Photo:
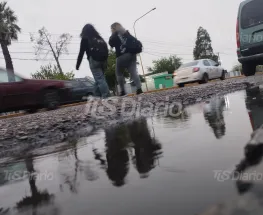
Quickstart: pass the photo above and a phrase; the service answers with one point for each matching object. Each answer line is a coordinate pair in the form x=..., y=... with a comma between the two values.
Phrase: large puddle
x=151, y=166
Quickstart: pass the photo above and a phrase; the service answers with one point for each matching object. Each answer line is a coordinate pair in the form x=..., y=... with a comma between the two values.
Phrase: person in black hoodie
x=124, y=60
x=97, y=54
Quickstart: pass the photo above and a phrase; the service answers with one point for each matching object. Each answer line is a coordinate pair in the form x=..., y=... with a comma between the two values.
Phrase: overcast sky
x=170, y=29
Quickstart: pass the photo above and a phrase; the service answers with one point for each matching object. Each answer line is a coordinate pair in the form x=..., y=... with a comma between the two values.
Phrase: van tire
x=249, y=69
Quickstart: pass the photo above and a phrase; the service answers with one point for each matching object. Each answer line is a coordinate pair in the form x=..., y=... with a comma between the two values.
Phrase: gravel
x=19, y=135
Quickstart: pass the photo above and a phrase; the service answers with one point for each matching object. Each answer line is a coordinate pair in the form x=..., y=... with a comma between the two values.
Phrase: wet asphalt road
x=155, y=165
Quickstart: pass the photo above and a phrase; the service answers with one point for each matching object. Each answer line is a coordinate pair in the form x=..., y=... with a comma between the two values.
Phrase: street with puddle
x=159, y=165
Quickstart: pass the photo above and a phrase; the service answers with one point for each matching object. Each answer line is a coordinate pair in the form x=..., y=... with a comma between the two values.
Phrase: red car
x=29, y=94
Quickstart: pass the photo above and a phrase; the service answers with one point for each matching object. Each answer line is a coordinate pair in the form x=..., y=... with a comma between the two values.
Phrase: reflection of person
x=146, y=148
x=254, y=104
x=124, y=60
x=117, y=155
x=253, y=157
x=37, y=197
x=213, y=113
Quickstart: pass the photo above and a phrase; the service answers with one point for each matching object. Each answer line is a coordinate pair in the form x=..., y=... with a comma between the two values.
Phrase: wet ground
x=158, y=165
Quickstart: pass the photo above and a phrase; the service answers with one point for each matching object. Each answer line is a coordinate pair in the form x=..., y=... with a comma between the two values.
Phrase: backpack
x=133, y=45
x=98, y=49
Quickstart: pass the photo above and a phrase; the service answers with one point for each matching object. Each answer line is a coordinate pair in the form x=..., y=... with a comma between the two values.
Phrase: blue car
x=80, y=90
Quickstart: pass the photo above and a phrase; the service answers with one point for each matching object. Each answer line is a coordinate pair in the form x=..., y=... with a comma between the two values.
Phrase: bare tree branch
x=43, y=45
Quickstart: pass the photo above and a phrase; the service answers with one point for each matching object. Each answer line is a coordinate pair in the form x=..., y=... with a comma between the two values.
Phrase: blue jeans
x=127, y=61
x=101, y=87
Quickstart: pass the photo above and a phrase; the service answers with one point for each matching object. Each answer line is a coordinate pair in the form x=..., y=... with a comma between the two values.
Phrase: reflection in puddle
x=150, y=166
x=249, y=171
x=213, y=113
x=129, y=142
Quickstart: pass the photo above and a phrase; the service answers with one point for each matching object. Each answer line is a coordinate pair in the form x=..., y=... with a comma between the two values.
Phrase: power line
x=31, y=52
x=156, y=42
x=157, y=54
x=152, y=54
x=168, y=52
x=32, y=59
x=78, y=43
x=75, y=53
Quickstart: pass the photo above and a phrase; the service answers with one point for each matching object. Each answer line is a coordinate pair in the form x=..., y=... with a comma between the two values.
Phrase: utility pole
x=136, y=37
x=219, y=61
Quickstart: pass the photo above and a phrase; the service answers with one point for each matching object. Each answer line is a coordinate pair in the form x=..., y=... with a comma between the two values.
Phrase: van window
x=251, y=14
x=194, y=63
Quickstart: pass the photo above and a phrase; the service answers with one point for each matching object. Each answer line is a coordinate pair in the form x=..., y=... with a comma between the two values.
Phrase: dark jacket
x=115, y=42
x=84, y=47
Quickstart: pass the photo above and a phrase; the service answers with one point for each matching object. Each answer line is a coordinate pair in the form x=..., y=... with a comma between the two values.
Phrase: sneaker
x=139, y=91
x=122, y=93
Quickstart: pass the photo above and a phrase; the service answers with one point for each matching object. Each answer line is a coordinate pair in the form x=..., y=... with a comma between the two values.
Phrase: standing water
x=160, y=165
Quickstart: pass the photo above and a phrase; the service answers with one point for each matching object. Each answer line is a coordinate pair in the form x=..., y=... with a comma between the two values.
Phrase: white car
x=199, y=71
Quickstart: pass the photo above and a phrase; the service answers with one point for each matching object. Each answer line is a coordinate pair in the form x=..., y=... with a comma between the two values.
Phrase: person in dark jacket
x=124, y=60
x=97, y=63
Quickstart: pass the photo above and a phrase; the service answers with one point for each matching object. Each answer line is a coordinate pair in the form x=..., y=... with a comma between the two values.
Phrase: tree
x=43, y=45
x=237, y=67
x=259, y=68
x=110, y=72
x=165, y=64
x=8, y=31
x=203, y=47
x=49, y=72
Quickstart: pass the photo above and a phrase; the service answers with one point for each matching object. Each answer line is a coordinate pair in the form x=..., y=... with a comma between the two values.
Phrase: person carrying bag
x=97, y=53
x=126, y=48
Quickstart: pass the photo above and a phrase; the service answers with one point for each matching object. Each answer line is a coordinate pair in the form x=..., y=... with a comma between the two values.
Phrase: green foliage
x=259, y=68
x=203, y=47
x=8, y=31
x=8, y=24
x=110, y=71
x=165, y=64
x=237, y=67
x=52, y=72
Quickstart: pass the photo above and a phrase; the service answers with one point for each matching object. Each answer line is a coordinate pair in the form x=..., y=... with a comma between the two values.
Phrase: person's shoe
x=122, y=93
x=139, y=91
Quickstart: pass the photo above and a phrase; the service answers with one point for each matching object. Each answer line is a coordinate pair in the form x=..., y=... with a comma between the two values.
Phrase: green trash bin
x=163, y=81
